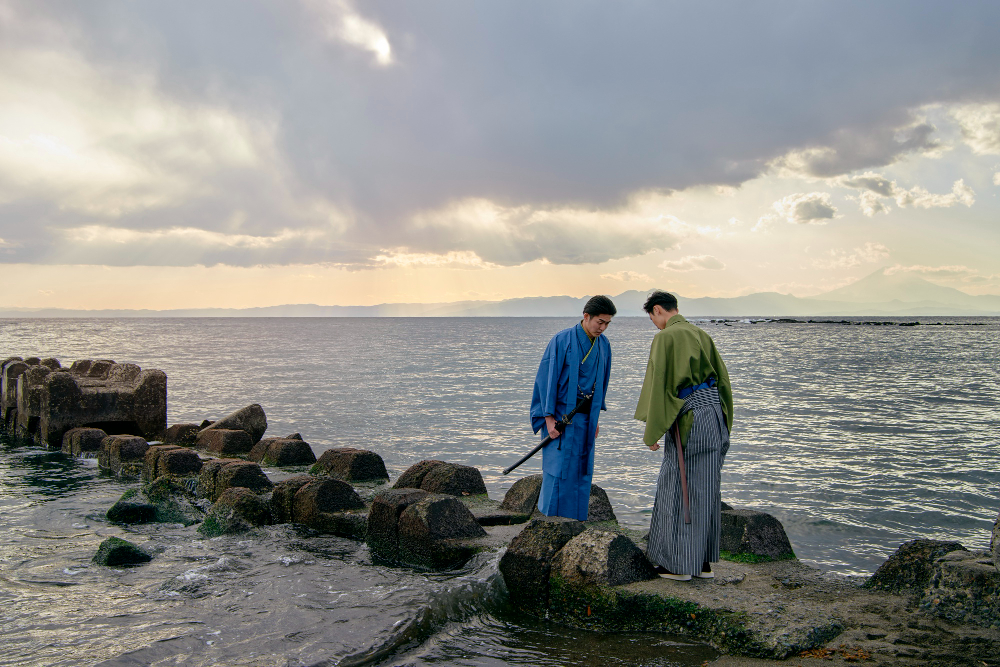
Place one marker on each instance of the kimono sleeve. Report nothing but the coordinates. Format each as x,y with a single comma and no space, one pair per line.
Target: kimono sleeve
546,390
724,385
607,381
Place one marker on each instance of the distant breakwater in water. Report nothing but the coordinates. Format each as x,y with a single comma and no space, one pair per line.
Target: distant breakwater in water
858,439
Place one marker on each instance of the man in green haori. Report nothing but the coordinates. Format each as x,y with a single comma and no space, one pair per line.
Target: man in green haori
685,396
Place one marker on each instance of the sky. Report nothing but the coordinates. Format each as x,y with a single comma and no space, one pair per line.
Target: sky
239,153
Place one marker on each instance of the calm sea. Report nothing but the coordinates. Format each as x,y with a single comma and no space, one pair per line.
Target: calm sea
856,437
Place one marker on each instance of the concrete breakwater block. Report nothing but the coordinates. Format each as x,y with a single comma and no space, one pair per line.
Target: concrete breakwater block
754,533
416,527
237,510
123,455
995,542
442,477
526,564
115,552
165,500
351,465
118,398
79,441
181,434
225,442
598,557
282,452
250,419
911,566
522,497
170,460
964,587
217,475
322,503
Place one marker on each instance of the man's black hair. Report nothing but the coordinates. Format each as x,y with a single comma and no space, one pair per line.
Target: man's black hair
600,305
666,300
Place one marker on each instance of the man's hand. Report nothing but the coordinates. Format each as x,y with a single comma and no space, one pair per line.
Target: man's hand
653,447
598,431
550,425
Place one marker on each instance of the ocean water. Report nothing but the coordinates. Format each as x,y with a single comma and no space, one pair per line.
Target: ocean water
857,437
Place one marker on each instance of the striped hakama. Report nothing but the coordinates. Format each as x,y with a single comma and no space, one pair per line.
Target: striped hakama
673,544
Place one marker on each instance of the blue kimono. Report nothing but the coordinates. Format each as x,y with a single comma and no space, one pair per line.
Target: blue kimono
570,368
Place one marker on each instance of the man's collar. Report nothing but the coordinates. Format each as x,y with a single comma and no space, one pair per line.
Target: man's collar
587,333
675,319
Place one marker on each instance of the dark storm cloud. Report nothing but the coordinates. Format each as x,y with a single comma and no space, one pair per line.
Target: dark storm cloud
563,105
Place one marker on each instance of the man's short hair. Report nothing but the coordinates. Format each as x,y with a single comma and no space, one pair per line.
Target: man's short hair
600,305
665,300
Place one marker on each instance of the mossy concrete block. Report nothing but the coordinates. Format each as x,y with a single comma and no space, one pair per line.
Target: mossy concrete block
78,441
123,455
599,507
132,507
351,465
523,495
598,557
442,477
526,565
165,500
911,566
435,532
281,452
115,552
283,496
250,420
244,474
413,476
751,532
323,495
995,542
382,532
237,510
225,442
964,588
181,434
208,475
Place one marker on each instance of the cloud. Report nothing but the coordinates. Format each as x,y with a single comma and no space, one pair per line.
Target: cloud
944,271
866,254
800,208
465,260
980,125
626,276
876,186
693,263
996,178
342,22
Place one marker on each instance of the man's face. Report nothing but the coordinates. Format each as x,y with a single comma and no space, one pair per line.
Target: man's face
596,324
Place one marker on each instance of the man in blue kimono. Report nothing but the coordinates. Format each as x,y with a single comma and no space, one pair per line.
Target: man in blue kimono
576,363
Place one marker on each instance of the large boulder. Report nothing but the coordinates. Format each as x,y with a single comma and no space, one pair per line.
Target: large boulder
522,497
753,533
964,588
351,465
600,508
282,452
382,534
599,557
526,564
181,434
225,442
912,566
115,552
170,460
237,510
217,475
435,532
250,419
79,441
123,455
442,477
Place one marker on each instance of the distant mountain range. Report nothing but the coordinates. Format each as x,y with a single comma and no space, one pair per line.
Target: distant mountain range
880,293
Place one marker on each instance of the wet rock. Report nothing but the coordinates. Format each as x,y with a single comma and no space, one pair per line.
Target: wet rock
754,533
122,399
351,465
488,512
382,534
237,510
995,542
51,363
225,442
165,500
599,508
912,566
442,477
282,452
205,423
523,495
435,532
250,419
181,434
598,557
323,495
115,552
294,436
123,455
207,477
12,369
170,460
80,367
29,402
78,441
283,496
964,588
527,563
132,507
242,474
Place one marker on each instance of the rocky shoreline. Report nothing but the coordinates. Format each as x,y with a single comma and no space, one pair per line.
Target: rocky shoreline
930,603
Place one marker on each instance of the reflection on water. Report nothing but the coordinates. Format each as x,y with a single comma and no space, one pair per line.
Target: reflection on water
857,438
